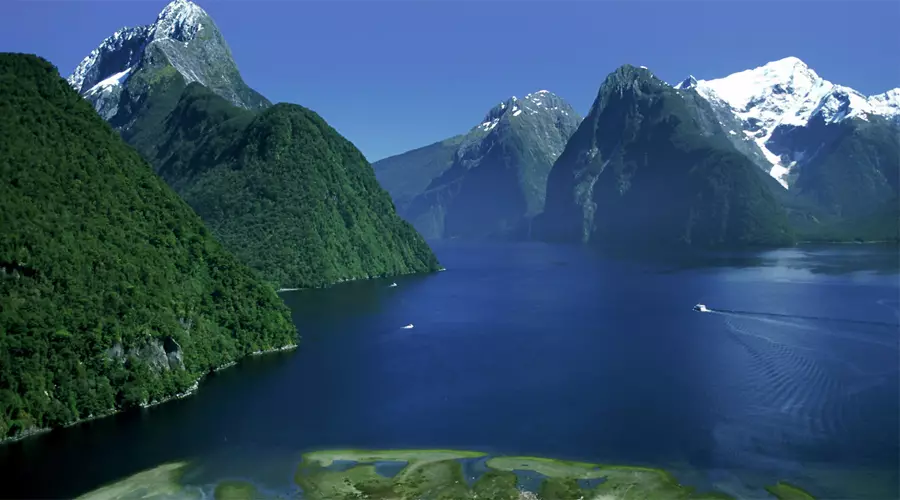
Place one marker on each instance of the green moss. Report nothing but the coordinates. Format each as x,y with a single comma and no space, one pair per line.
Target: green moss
351,483
159,483
434,475
787,491
496,485
236,490
327,457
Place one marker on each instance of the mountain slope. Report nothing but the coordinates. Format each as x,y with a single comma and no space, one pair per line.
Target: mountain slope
409,174
496,177
651,165
113,292
285,192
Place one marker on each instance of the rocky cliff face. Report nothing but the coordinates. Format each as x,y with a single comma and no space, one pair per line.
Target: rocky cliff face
651,165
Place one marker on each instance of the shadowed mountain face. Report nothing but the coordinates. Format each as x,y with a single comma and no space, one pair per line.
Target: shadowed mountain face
651,165
489,181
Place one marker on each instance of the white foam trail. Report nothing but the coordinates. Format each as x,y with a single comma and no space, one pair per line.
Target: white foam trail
802,324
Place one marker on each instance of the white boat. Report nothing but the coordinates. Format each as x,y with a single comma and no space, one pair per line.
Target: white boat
407,327
701,308
392,285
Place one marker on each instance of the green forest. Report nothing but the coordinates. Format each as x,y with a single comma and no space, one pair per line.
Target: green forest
280,188
114,293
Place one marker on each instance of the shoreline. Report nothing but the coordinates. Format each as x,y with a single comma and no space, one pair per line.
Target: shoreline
181,395
338,282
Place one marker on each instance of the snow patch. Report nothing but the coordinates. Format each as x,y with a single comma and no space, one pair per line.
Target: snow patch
489,125
105,84
518,112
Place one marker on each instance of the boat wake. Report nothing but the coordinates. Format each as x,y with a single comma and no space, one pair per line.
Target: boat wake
758,314
807,381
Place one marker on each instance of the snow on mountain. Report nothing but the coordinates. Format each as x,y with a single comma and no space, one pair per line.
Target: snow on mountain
179,20
532,104
109,82
117,54
788,93
121,50
886,104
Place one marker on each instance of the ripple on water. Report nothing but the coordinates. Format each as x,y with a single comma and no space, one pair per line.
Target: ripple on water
802,387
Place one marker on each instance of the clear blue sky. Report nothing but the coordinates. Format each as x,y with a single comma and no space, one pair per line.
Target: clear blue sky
392,76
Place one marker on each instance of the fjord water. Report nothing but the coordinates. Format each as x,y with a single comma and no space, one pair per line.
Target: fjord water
555,351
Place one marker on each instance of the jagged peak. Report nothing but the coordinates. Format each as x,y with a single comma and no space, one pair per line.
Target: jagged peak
532,104
688,83
787,76
180,20
631,77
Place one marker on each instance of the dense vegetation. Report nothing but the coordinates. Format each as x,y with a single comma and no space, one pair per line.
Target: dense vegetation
112,292
281,189
651,166
881,225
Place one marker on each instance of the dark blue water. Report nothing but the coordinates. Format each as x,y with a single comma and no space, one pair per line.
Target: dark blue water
550,350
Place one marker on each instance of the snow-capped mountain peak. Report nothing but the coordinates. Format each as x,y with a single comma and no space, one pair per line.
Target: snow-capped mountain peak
542,101
783,89
180,20
184,38
786,94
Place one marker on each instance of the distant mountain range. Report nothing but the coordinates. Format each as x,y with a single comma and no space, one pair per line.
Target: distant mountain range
488,181
834,154
275,184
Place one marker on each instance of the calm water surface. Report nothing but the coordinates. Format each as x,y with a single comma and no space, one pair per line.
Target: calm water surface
549,350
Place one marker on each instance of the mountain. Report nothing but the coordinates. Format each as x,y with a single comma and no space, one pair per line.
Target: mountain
488,182
119,74
409,174
113,292
651,165
285,192
275,184
827,143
